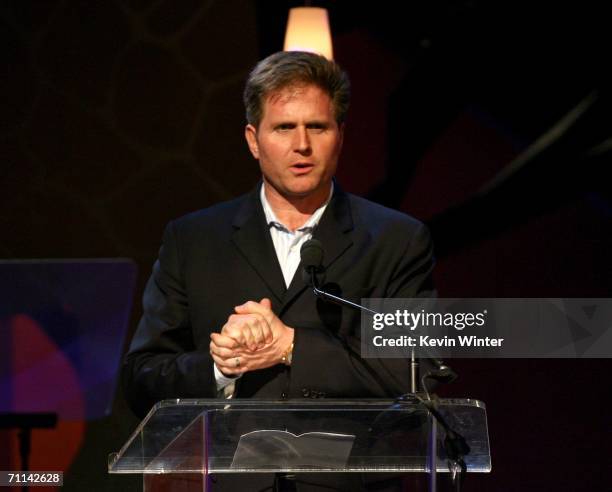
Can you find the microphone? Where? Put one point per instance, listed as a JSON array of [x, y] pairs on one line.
[[442, 373], [311, 254]]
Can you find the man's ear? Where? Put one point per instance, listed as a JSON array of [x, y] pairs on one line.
[[250, 133]]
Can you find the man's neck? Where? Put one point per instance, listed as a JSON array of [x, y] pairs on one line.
[[294, 212]]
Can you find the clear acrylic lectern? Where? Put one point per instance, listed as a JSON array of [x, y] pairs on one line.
[[187, 440]]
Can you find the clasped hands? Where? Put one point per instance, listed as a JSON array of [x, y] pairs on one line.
[[253, 338]]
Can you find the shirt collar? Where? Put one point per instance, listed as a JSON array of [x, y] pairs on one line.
[[308, 226]]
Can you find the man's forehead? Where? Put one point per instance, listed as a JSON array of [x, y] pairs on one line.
[[287, 93], [278, 103]]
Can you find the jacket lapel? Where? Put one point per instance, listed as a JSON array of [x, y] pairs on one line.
[[252, 238], [333, 231], [334, 228]]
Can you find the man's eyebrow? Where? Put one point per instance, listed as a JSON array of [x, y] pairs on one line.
[[318, 123], [284, 123]]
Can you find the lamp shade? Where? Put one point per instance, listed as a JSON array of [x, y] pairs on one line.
[[308, 30]]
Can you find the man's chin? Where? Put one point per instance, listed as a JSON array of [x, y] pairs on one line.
[[303, 192], [300, 193], [300, 189]]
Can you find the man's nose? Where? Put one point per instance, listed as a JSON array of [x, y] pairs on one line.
[[302, 141]]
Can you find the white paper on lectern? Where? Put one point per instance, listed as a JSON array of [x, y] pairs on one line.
[[282, 449]]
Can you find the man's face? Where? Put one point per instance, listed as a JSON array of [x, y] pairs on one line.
[[297, 141]]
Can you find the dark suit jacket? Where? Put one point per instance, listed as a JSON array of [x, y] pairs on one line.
[[220, 257]]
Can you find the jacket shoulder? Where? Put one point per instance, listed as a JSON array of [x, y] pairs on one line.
[[379, 217], [216, 216]]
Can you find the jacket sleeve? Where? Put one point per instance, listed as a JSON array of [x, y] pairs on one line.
[[162, 361], [332, 365]]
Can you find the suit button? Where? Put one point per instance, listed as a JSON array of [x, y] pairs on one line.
[[305, 392], [284, 395]]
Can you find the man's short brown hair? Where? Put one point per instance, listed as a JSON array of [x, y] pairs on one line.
[[295, 68]]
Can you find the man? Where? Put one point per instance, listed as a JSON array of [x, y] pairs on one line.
[[226, 310]]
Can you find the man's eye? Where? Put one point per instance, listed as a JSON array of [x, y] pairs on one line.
[[317, 128], [284, 127]]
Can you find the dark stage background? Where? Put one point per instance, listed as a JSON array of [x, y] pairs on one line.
[[120, 115]]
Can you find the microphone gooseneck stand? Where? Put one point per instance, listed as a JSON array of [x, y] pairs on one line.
[[455, 444], [311, 254]]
